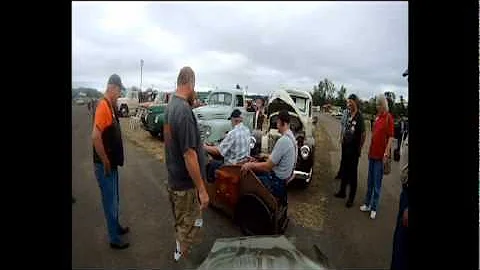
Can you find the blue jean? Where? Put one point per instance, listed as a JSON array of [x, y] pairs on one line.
[[400, 237], [110, 200], [213, 165], [375, 176], [274, 184]]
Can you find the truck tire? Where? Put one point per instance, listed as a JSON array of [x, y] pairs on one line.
[[158, 135], [124, 110], [253, 216]]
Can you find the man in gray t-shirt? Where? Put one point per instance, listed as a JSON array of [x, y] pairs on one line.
[[278, 169], [185, 160]]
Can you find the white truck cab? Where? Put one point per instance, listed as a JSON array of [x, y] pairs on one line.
[[128, 104]]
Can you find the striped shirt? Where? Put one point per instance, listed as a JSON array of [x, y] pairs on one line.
[[235, 147]]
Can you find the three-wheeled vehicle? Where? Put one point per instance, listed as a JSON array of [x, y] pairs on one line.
[[243, 197]]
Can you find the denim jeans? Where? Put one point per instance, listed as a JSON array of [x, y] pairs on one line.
[[109, 190], [375, 176], [274, 184], [400, 237], [213, 165]]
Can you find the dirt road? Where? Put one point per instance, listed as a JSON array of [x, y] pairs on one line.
[[347, 236]]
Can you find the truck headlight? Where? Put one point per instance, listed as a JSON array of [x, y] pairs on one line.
[[305, 151], [252, 143], [208, 131], [156, 119]]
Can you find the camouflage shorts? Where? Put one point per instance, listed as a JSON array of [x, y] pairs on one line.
[[187, 215]]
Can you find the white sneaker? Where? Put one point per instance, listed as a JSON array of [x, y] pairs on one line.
[[177, 254], [364, 208], [373, 214]]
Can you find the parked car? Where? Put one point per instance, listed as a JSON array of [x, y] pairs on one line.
[[299, 104], [80, 101]]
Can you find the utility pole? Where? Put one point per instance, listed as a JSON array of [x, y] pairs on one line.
[[141, 74]]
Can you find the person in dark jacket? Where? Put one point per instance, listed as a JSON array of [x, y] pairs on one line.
[[352, 143]]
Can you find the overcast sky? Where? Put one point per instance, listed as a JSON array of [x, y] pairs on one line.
[[265, 45]]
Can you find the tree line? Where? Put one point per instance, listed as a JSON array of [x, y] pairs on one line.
[[90, 92], [325, 92]]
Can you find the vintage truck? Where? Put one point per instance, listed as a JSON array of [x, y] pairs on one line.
[[152, 115], [299, 104], [213, 118], [128, 104], [241, 195], [213, 124]]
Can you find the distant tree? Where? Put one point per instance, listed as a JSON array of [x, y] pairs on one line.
[[401, 108], [317, 96], [329, 89], [341, 99], [90, 92], [370, 106]]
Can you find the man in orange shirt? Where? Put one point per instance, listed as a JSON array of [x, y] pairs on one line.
[[107, 156]]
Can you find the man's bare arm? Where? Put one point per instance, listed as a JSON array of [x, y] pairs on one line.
[[389, 146], [266, 166], [191, 162], [213, 150], [98, 144]]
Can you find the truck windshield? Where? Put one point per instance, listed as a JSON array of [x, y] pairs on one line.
[[220, 99], [300, 102]]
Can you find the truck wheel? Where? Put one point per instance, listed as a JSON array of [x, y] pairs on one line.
[[154, 134], [124, 111], [160, 136], [253, 216]]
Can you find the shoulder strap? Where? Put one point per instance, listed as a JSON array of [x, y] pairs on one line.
[[112, 110]]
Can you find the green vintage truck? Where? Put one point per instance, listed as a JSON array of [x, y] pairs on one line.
[[152, 115], [213, 118]]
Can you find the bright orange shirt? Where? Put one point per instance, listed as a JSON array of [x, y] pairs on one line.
[[103, 115]]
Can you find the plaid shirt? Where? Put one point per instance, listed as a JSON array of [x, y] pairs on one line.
[[235, 147]]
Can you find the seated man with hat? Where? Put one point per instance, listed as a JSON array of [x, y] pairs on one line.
[[234, 148]]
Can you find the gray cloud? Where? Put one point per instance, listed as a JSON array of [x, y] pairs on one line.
[[362, 45]]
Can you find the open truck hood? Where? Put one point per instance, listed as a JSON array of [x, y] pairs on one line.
[[257, 252], [281, 100]]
